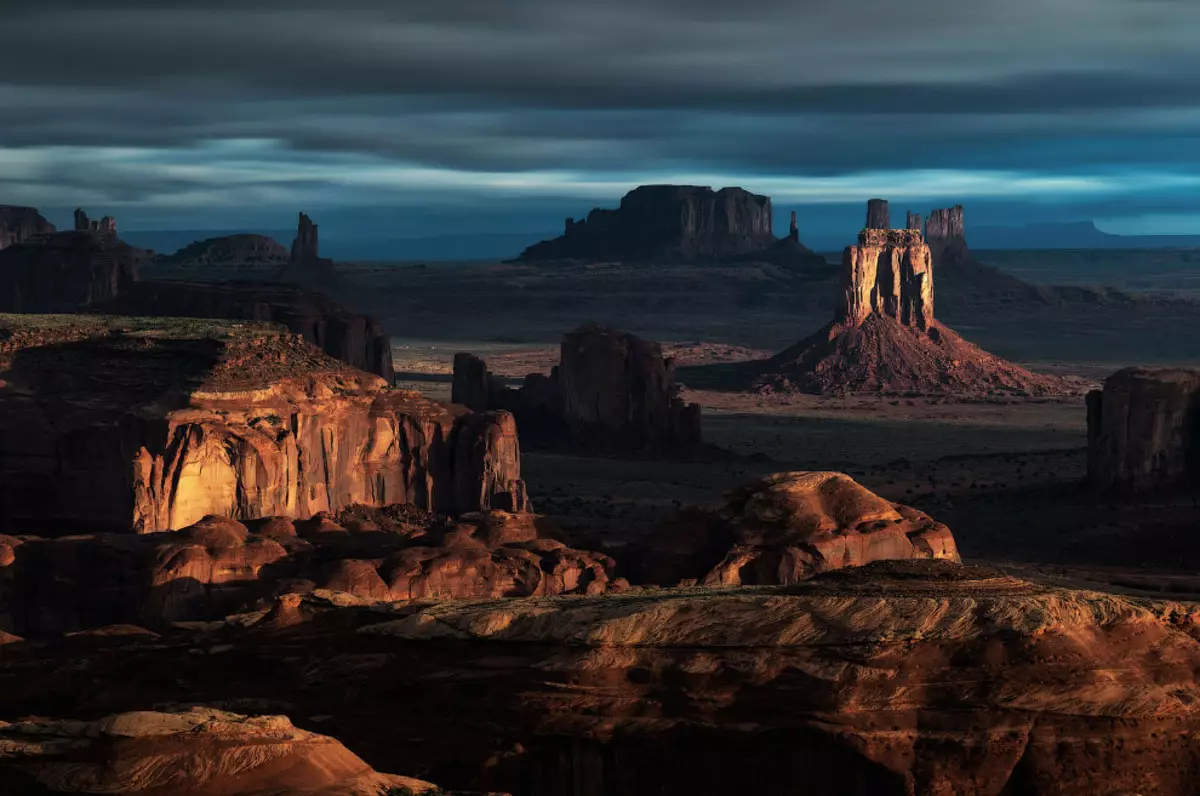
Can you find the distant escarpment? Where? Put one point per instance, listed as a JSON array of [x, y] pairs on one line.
[[675, 223], [1144, 430], [19, 224], [787, 527], [151, 424], [230, 250], [884, 337], [611, 391], [65, 271], [357, 340]]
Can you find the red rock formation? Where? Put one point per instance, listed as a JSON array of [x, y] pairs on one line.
[[65, 271], [106, 225], [199, 751], [1144, 430], [889, 274], [357, 340], [220, 567], [305, 247], [230, 250], [878, 214], [154, 424], [611, 390], [947, 240], [788, 527], [914, 221], [667, 222], [19, 224], [884, 337]]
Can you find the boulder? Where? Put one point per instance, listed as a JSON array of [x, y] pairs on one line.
[[1144, 430], [788, 527]]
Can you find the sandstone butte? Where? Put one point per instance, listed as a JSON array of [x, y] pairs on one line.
[[153, 424], [610, 391], [884, 337], [194, 752], [1144, 430], [895, 678]]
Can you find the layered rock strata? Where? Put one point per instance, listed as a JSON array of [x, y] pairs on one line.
[[155, 423], [788, 527], [889, 273], [1144, 430], [610, 390]]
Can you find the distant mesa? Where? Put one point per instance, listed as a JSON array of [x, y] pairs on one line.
[[231, 250], [611, 391], [19, 224], [1144, 430], [884, 337], [675, 223]]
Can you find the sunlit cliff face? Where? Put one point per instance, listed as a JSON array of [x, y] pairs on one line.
[[238, 112]]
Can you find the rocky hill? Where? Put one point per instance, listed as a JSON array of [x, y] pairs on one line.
[[230, 250]]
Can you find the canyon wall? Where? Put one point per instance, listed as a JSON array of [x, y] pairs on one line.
[[1144, 430]]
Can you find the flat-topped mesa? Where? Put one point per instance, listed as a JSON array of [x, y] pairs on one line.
[[1144, 430], [878, 214], [666, 222], [357, 340], [64, 271], [610, 391], [889, 273], [944, 232], [18, 224], [112, 423], [231, 250]]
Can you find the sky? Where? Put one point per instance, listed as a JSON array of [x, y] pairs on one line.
[[433, 117]]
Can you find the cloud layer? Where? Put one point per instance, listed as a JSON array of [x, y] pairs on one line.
[[165, 109]]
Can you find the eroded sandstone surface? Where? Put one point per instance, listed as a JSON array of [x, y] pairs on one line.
[[1144, 430], [788, 527], [152, 424], [189, 752], [897, 678], [610, 391]]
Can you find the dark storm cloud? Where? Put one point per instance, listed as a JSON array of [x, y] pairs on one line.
[[772, 88]]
